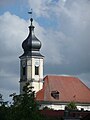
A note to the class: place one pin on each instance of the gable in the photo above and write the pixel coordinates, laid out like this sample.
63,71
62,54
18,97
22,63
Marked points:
65,88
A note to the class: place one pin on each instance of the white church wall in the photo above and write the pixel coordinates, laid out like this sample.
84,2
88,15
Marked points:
83,107
62,107
37,86
54,107
40,64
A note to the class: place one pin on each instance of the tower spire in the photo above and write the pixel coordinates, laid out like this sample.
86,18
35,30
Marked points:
31,61
31,19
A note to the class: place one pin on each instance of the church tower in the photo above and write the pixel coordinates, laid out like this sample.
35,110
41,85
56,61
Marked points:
31,62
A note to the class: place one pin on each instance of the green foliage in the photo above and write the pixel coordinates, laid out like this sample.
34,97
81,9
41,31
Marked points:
4,109
71,106
24,107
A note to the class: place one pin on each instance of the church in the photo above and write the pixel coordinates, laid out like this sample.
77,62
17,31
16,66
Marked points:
52,91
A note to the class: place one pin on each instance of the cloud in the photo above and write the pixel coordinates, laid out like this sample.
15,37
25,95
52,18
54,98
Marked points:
66,46
46,7
41,6
65,43
13,31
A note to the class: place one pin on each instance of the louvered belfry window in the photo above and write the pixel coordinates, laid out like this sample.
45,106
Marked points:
24,70
36,70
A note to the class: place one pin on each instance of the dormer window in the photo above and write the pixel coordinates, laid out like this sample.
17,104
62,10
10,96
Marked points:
55,94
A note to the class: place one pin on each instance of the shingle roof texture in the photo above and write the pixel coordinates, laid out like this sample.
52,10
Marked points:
69,88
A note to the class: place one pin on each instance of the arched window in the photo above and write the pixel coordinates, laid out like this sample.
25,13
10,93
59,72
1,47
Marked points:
36,70
24,70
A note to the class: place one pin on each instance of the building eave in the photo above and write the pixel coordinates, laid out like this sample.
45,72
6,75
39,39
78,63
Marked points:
62,103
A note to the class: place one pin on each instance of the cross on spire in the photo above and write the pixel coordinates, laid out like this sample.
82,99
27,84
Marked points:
30,13
31,19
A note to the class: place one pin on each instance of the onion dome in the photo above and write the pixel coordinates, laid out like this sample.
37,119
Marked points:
31,44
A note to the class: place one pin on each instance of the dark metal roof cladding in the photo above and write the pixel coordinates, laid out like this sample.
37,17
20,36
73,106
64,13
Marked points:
31,43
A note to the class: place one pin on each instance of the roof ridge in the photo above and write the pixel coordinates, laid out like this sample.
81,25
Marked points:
84,84
58,75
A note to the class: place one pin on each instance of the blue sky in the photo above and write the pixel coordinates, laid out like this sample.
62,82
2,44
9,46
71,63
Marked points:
63,27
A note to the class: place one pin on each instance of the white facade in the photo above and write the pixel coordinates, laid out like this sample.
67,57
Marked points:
31,70
62,106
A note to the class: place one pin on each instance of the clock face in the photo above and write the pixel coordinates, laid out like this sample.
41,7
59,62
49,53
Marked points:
37,63
29,62
23,63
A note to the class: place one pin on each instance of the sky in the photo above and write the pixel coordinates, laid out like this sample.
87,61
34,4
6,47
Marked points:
63,27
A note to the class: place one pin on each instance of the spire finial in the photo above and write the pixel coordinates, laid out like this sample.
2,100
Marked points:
31,19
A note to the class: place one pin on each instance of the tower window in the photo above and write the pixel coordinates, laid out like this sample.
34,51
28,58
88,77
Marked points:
24,70
36,70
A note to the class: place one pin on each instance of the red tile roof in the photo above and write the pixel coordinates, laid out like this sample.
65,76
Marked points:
69,88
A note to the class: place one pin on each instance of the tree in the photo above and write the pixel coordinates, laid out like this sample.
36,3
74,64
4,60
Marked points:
3,109
25,106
